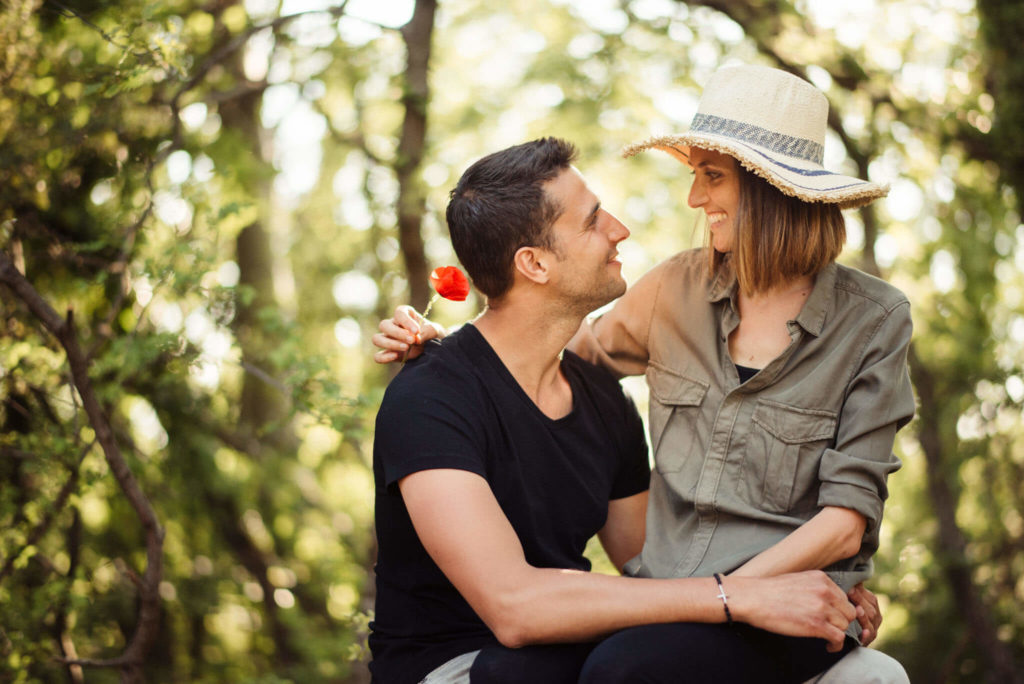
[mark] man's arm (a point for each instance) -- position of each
(462, 527)
(623, 533)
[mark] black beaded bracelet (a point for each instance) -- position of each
(725, 599)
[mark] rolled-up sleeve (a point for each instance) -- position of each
(879, 401)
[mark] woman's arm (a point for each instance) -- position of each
(623, 533)
(619, 338)
(853, 474)
(879, 400)
(832, 535)
(616, 340)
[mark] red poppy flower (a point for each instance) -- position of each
(450, 283)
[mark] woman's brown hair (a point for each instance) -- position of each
(778, 238)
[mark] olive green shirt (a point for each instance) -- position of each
(739, 467)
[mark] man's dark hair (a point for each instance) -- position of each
(499, 205)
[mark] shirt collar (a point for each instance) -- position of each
(811, 317)
(723, 284)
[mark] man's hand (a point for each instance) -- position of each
(402, 336)
(805, 604)
(868, 613)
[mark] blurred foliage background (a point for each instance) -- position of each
(207, 205)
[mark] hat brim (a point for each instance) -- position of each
(798, 178)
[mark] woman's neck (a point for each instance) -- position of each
(762, 334)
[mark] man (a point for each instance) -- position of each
(497, 456)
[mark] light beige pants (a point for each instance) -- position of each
(863, 666)
(455, 671)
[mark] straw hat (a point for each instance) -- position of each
(774, 124)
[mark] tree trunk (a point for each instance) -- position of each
(262, 405)
(952, 551)
(411, 203)
(1002, 22)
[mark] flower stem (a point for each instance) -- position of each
(426, 312)
(430, 305)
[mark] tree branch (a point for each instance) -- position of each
(266, 377)
(141, 55)
(120, 263)
(240, 40)
(64, 330)
(356, 139)
(44, 525)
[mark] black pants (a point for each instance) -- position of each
(680, 653)
(688, 653)
(554, 664)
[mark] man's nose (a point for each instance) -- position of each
(617, 231)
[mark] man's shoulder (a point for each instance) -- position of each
(434, 414)
(446, 371)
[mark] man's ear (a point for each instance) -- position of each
(533, 263)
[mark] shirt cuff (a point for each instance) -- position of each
(855, 483)
(397, 471)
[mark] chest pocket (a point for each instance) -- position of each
(784, 448)
(675, 412)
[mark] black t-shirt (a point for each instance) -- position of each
(457, 406)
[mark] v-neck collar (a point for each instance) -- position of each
(475, 339)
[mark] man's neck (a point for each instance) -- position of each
(529, 343)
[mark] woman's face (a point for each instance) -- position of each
(716, 190)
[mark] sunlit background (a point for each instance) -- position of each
(228, 293)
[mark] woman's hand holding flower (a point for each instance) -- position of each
(402, 336)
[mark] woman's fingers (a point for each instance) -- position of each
(385, 357)
(408, 319)
(868, 613)
(390, 327)
(401, 337)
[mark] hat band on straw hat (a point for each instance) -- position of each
(791, 146)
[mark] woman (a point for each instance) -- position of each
(777, 379)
